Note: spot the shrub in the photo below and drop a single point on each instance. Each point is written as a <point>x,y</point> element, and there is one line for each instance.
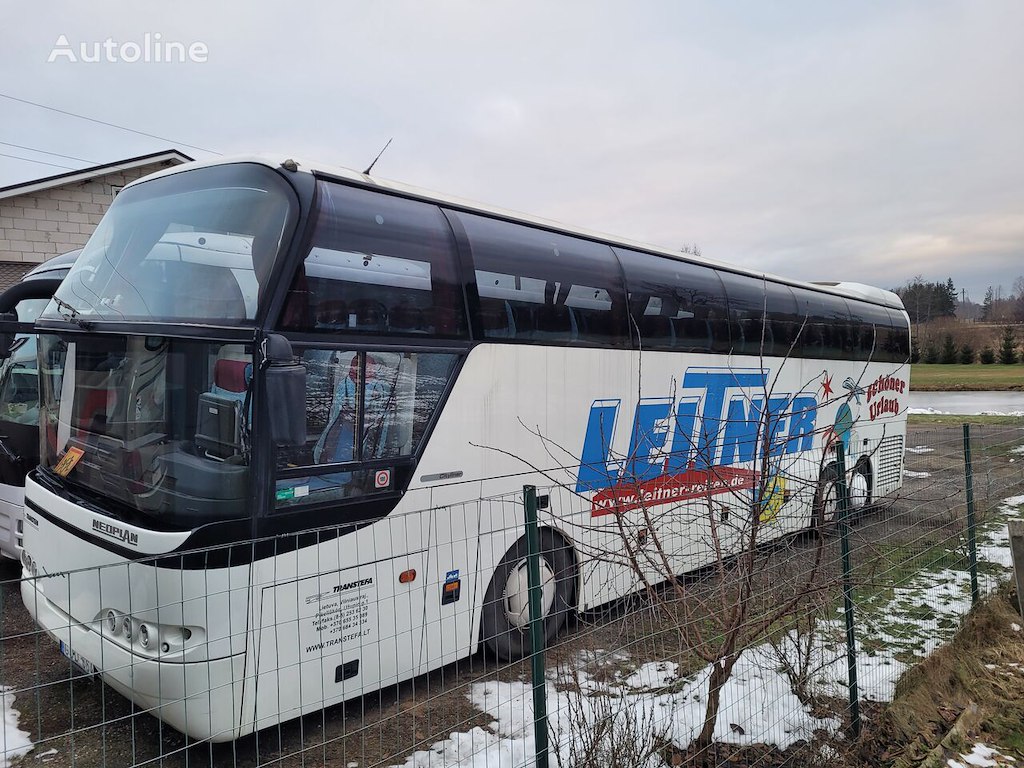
<point>931,354</point>
<point>987,355</point>
<point>967,354</point>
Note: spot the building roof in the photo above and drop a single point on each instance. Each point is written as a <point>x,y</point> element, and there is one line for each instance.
<point>172,156</point>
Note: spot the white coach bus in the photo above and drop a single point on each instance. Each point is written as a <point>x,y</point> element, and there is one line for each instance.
<point>287,409</point>
<point>20,305</point>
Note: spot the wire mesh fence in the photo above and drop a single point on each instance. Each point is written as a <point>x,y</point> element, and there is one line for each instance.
<point>325,649</point>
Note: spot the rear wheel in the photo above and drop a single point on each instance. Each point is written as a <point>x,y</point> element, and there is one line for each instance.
<point>505,625</point>
<point>826,496</point>
<point>860,488</point>
<point>826,500</point>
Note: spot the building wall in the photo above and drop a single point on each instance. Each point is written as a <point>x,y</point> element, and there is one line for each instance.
<point>37,226</point>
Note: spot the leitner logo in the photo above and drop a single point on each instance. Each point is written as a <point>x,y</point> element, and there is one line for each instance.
<point>676,453</point>
<point>116,532</point>
<point>352,584</point>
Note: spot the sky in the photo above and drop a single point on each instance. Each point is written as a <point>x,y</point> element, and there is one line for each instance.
<point>862,141</point>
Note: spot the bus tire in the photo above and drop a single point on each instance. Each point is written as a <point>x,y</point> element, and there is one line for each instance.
<point>505,624</point>
<point>824,510</point>
<point>861,495</point>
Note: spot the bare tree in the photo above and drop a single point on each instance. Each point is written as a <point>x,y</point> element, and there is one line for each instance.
<point>735,518</point>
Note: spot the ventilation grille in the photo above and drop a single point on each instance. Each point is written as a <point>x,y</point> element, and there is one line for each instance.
<point>890,460</point>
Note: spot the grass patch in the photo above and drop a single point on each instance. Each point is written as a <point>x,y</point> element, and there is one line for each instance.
<point>893,566</point>
<point>942,378</point>
<point>916,419</point>
<point>979,666</point>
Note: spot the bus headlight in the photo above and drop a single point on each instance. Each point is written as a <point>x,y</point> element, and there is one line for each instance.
<point>148,636</point>
<point>28,563</point>
<point>112,622</point>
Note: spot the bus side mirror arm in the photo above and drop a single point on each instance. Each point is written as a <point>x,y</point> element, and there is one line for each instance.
<point>285,380</point>
<point>8,344</point>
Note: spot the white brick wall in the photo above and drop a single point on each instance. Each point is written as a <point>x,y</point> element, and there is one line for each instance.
<point>40,225</point>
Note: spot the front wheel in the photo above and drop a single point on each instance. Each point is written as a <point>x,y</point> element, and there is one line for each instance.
<point>505,624</point>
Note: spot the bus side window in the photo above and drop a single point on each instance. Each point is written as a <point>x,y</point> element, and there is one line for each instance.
<point>535,285</point>
<point>360,407</point>
<point>378,264</point>
<point>675,304</point>
<point>897,342</point>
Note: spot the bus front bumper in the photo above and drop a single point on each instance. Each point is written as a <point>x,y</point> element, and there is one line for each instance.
<point>200,699</point>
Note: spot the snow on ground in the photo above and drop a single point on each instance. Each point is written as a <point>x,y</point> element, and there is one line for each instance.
<point>647,706</point>
<point>920,449</point>
<point>16,742</point>
<point>983,756</point>
<point>651,702</point>
<point>911,473</point>
<point>926,412</point>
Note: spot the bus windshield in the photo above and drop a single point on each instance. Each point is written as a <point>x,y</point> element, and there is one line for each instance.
<point>150,425</point>
<point>192,247</point>
<point>19,388</point>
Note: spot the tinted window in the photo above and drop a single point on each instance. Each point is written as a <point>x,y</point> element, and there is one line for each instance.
<point>825,324</point>
<point>545,287</point>
<point>377,265</point>
<point>872,330</point>
<point>675,304</point>
<point>897,346</point>
<point>360,407</point>
<point>784,320</point>
<point>762,316</point>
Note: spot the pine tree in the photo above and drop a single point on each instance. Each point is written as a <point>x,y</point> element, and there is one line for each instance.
<point>949,350</point>
<point>987,355</point>
<point>931,353</point>
<point>1008,347</point>
<point>966,353</point>
<point>948,299</point>
<point>986,307</point>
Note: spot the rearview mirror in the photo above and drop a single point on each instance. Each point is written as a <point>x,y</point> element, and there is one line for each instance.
<point>285,380</point>
<point>7,337</point>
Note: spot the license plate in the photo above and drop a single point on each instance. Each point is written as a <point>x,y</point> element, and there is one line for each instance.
<point>82,663</point>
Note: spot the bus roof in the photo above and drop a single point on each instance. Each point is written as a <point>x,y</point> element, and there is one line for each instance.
<point>851,290</point>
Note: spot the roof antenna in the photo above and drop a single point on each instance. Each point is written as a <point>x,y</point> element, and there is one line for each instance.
<point>370,168</point>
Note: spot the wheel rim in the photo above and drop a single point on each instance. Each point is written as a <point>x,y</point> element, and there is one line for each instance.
<point>858,490</point>
<point>517,593</point>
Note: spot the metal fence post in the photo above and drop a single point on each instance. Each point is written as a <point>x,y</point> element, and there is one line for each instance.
<point>972,524</point>
<point>843,494</point>
<point>540,712</point>
<point>1016,528</point>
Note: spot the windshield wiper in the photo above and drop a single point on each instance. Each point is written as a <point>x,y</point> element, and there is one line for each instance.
<point>7,452</point>
<point>70,314</point>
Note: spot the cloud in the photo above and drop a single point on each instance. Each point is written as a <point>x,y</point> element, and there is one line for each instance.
<point>869,141</point>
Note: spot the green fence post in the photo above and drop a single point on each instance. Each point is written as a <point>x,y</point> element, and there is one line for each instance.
<point>540,709</point>
<point>972,523</point>
<point>843,494</point>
